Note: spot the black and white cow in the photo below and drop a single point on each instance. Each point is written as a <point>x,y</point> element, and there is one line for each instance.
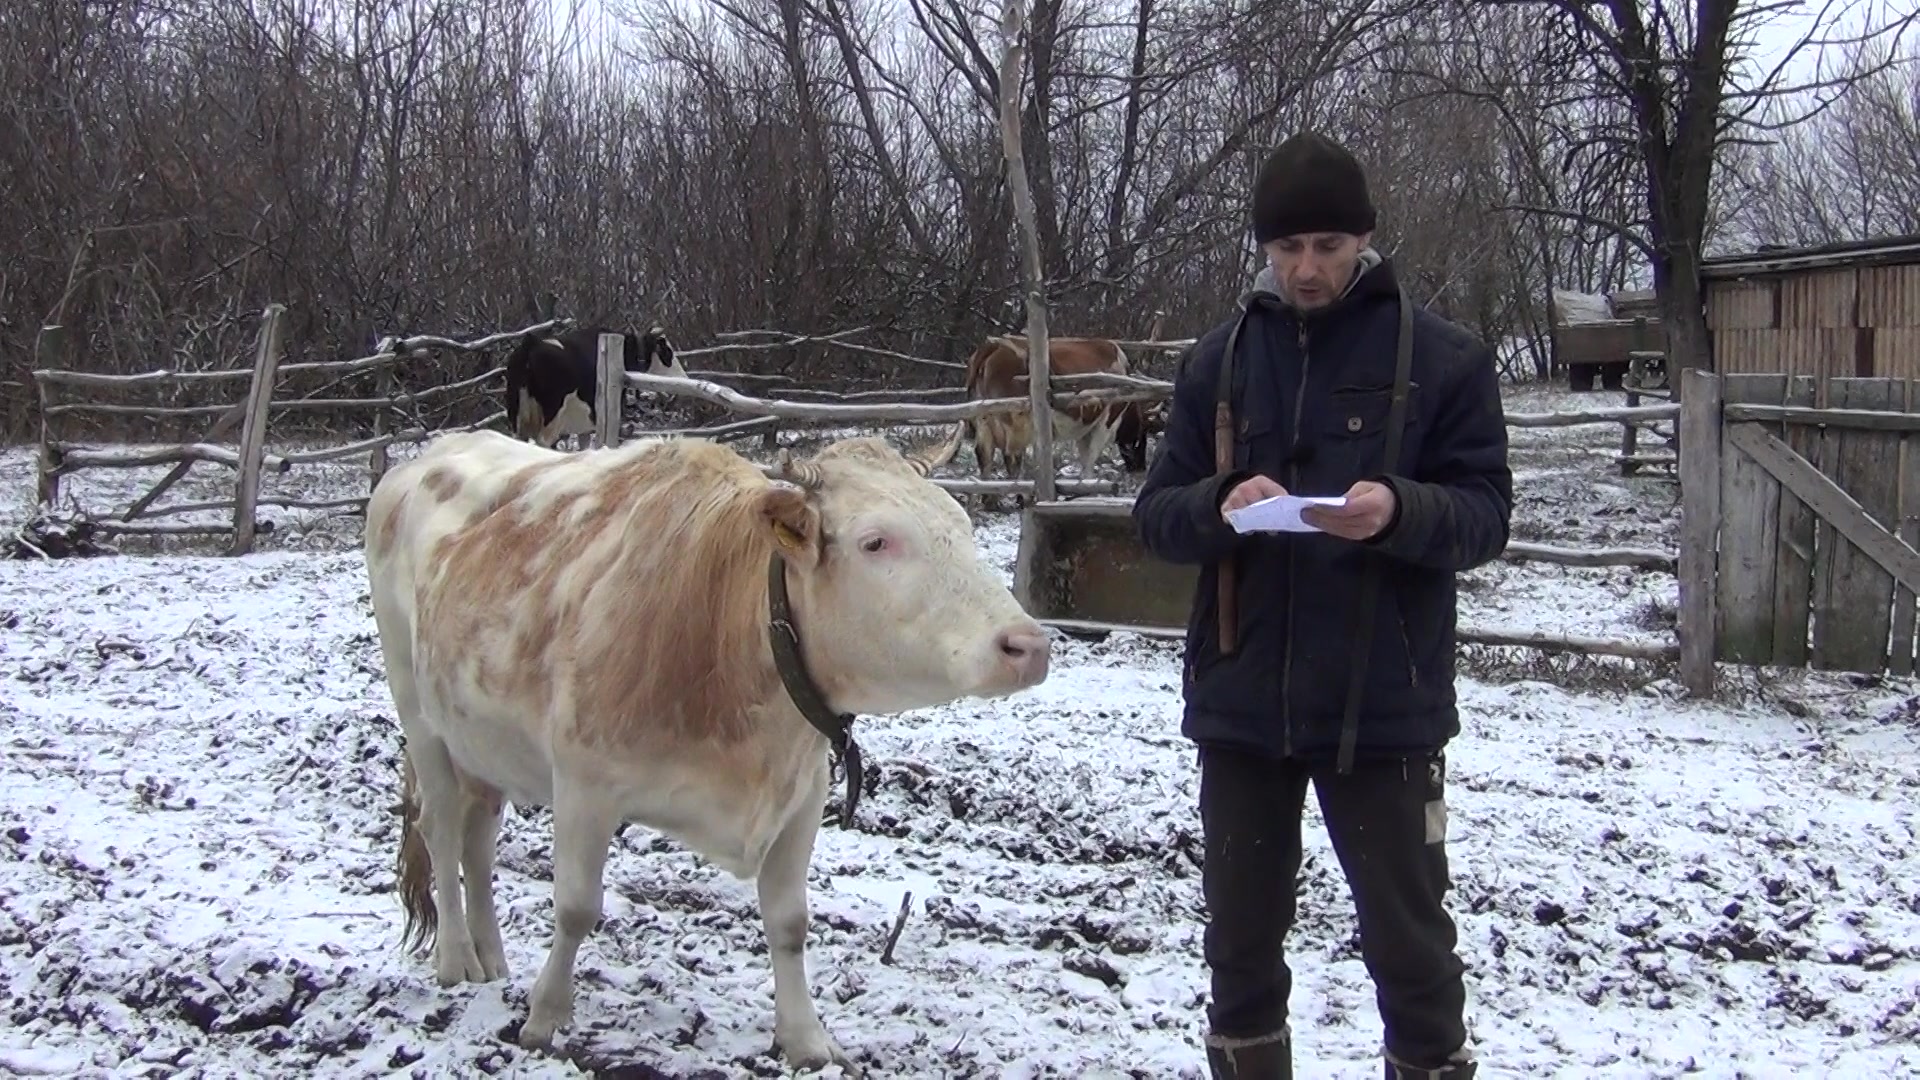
<point>552,379</point>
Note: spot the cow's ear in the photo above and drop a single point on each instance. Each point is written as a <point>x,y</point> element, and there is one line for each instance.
<point>794,523</point>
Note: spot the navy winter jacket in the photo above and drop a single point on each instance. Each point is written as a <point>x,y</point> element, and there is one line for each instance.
<point>1310,407</point>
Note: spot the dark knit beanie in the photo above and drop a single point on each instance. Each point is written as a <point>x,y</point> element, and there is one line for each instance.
<point>1310,184</point>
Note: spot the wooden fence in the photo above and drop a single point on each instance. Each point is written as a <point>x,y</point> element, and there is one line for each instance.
<point>1801,499</point>
<point>1801,514</point>
<point>828,409</point>
<point>251,415</point>
<point>59,458</point>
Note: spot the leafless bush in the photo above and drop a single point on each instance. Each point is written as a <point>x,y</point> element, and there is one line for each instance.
<point>402,166</point>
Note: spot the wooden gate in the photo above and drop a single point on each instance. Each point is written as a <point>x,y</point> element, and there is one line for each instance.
<point>1810,524</point>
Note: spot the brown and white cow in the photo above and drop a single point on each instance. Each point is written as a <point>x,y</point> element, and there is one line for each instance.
<point>998,369</point>
<point>595,632</point>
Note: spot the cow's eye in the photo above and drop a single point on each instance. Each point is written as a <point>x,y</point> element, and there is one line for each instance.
<point>873,544</point>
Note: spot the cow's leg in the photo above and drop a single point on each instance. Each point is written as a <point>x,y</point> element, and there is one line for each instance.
<point>484,809</point>
<point>443,824</point>
<point>782,883</point>
<point>983,443</point>
<point>1018,438</point>
<point>1095,443</point>
<point>1003,444</point>
<point>575,417</point>
<point>527,419</point>
<point>583,827</point>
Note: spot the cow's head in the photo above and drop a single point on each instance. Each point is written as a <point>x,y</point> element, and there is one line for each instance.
<point>652,354</point>
<point>894,604</point>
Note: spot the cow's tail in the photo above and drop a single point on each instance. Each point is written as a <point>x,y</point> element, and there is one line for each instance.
<point>976,366</point>
<point>414,872</point>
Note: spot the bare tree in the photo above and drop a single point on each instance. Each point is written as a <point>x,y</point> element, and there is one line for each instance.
<point>1850,172</point>
<point>1670,92</point>
<point>168,167</point>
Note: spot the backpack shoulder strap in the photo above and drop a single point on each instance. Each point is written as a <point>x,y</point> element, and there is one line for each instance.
<point>1370,583</point>
<point>1223,464</point>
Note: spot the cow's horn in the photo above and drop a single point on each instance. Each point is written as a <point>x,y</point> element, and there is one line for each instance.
<point>806,474</point>
<point>928,458</point>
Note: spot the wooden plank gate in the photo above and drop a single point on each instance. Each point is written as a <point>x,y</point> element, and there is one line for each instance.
<point>1802,517</point>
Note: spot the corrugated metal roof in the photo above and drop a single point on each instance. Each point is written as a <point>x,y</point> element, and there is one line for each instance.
<point>1785,260</point>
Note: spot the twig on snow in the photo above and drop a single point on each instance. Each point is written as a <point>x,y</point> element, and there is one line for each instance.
<point>106,647</point>
<point>899,924</point>
<point>306,762</point>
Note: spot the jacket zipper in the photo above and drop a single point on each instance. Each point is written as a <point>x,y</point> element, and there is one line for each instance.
<point>1293,484</point>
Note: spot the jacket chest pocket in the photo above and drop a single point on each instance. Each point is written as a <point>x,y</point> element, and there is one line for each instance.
<point>1351,432</point>
<point>1260,444</point>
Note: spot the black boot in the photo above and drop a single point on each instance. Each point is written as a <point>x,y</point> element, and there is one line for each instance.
<point>1463,1069</point>
<point>1263,1057</point>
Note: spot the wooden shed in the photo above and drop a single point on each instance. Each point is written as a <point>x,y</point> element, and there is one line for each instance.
<point>1834,311</point>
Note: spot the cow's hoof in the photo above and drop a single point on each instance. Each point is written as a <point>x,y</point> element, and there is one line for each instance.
<point>815,1051</point>
<point>454,964</point>
<point>493,964</point>
<point>535,1036</point>
<point>542,1022</point>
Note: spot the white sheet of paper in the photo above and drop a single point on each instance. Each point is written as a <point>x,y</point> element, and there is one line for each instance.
<point>1280,513</point>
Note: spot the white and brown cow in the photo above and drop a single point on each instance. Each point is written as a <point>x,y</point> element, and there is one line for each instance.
<point>552,380</point>
<point>595,632</point>
<point>998,369</point>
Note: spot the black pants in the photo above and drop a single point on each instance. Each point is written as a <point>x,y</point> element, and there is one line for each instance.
<point>1387,822</point>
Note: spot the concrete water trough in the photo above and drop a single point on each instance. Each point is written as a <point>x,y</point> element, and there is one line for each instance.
<point>1081,568</point>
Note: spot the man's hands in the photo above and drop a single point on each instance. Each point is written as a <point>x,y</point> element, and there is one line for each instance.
<point>1250,491</point>
<point>1368,510</point>
<point>1369,507</point>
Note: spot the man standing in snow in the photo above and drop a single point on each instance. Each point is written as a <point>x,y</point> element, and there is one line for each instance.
<point>1328,656</point>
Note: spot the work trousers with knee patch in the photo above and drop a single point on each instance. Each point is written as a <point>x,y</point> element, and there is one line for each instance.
<point>1387,822</point>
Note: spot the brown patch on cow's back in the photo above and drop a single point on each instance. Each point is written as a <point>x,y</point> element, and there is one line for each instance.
<point>494,565</point>
<point>645,591</point>
<point>386,530</point>
<point>682,653</point>
<point>442,483</point>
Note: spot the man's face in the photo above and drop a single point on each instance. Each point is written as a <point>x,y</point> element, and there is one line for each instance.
<point>1314,268</point>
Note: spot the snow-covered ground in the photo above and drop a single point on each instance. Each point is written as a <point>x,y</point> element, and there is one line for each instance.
<point>198,771</point>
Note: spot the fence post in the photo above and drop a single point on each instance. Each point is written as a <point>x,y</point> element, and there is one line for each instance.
<point>1699,449</point>
<point>1630,437</point>
<point>1033,272</point>
<point>613,382</point>
<point>50,353</point>
<point>382,423</point>
<point>253,431</point>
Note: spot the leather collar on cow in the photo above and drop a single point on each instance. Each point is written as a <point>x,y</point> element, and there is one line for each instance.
<point>837,727</point>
